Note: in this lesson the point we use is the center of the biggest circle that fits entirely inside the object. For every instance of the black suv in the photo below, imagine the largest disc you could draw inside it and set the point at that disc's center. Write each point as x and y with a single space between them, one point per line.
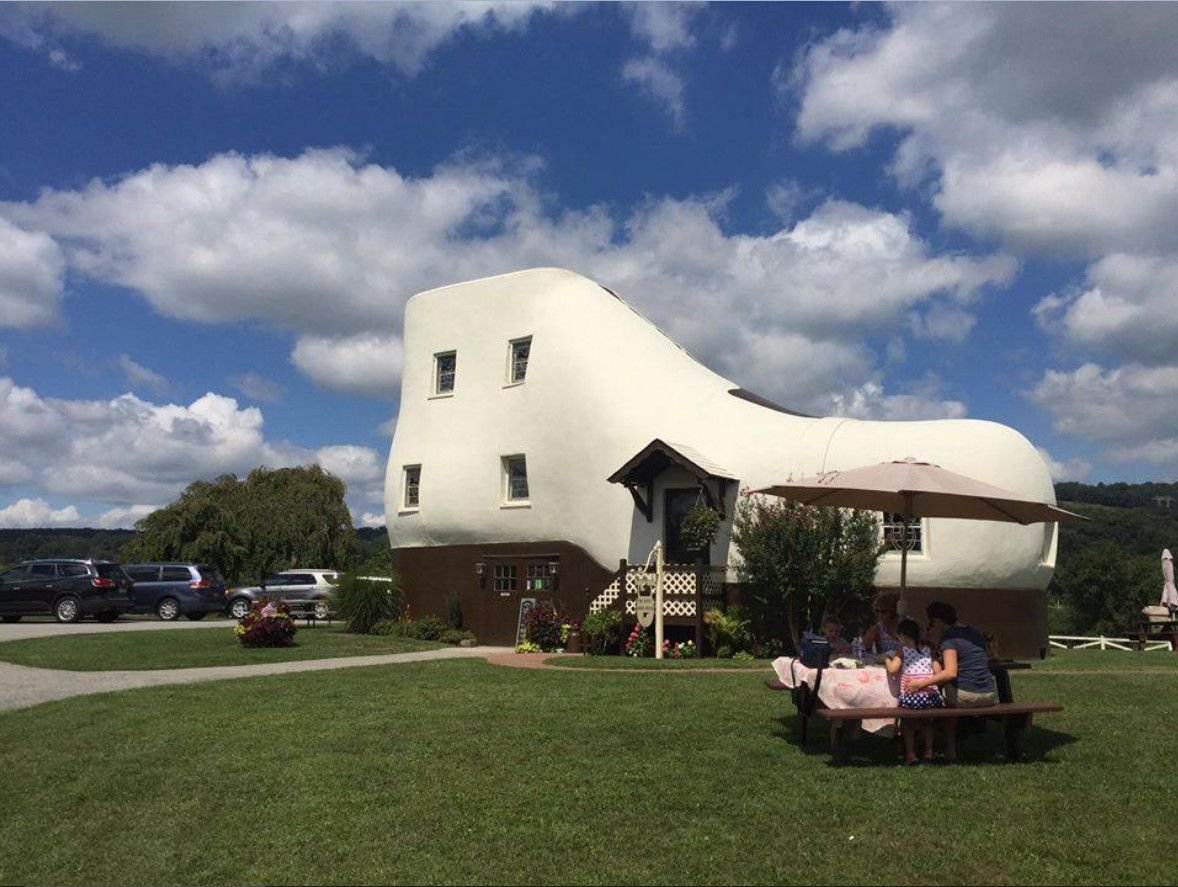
175 589
67 588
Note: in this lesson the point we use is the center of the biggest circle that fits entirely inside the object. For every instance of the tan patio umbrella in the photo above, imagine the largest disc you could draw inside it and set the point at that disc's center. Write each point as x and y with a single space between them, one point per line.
1169 592
915 489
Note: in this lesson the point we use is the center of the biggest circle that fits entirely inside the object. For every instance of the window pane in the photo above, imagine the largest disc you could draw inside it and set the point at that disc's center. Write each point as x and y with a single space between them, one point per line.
14 574
893 532
110 571
519 359
40 571
517 478
72 569
412 485
176 574
445 367
143 574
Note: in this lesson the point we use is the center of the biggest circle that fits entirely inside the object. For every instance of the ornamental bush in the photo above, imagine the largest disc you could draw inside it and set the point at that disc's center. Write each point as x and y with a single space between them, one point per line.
542 626
602 631
362 603
267 624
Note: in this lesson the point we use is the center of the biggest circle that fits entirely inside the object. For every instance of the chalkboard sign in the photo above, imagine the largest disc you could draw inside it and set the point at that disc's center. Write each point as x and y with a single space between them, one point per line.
525 605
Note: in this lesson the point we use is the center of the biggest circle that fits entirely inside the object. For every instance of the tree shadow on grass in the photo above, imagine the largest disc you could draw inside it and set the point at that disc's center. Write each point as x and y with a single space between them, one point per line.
979 743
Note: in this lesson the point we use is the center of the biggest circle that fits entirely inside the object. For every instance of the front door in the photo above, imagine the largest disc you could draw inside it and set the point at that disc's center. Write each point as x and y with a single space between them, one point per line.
676 504
513 586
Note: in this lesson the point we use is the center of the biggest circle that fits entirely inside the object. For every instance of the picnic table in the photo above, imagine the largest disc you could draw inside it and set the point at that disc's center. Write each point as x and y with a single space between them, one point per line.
867 697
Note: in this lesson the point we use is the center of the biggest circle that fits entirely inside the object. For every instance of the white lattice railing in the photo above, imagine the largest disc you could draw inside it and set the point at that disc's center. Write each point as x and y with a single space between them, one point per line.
680 595
1070 642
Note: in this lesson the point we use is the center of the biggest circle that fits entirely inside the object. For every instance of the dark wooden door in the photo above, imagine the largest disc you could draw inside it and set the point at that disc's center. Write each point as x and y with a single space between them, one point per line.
676 504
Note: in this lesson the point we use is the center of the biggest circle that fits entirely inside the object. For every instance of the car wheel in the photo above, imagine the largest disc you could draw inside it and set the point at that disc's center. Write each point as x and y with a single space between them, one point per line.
238 607
11 618
196 617
68 609
107 616
322 610
168 609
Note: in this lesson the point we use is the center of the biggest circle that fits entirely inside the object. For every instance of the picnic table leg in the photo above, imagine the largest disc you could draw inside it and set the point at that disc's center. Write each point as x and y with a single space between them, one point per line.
1013 726
836 735
1002 679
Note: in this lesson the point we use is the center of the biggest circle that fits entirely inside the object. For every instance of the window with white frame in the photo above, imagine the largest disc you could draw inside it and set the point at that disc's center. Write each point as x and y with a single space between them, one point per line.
893 533
412 487
445 367
515 479
517 360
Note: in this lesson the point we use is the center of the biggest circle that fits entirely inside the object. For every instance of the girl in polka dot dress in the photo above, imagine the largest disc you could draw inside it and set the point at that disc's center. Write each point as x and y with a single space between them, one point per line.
914 661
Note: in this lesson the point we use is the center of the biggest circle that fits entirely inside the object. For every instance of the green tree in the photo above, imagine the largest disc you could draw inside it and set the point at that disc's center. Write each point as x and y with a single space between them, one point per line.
274 519
1106 586
799 562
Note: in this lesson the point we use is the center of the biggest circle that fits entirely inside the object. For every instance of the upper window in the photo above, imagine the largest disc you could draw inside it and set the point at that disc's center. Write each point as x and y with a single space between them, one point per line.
72 570
176 574
143 574
41 571
412 486
517 369
445 366
893 533
515 474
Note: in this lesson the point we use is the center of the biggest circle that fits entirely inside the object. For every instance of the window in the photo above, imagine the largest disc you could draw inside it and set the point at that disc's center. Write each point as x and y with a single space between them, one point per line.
143 574
72 570
539 578
517 369
515 475
445 366
412 486
176 574
505 577
893 529
42 571
16 574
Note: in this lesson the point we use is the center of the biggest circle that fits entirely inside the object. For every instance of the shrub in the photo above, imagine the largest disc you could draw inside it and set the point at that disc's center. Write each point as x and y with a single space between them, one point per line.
602 631
727 630
683 650
362 603
267 624
428 628
386 627
456 636
743 656
527 647
542 626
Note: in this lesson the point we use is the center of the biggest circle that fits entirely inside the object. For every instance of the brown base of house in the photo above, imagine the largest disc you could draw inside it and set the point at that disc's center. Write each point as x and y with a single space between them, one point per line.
1016 617
492 582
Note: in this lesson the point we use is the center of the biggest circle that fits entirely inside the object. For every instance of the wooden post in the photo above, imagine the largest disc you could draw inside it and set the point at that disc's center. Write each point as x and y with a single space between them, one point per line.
699 606
658 600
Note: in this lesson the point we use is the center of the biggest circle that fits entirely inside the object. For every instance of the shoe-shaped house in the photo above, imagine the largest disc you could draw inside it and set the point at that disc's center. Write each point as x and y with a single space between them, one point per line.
548 431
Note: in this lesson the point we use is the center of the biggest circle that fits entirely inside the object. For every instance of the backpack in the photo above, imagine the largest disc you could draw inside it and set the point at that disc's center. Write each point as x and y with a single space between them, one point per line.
815 650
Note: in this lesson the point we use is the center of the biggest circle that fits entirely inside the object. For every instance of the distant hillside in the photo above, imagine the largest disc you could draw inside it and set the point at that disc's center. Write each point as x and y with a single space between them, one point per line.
1118 495
19 545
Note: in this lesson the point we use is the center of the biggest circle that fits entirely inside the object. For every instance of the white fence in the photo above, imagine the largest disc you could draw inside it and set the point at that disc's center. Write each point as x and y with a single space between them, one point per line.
1070 642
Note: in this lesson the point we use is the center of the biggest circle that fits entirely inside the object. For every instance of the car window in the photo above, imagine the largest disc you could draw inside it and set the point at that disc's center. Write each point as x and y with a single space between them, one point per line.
73 570
14 575
143 574
277 580
110 571
212 574
40 571
176 574
297 579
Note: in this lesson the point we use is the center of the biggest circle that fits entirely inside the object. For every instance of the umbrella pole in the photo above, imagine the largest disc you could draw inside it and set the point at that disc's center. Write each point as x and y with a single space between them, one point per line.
903 553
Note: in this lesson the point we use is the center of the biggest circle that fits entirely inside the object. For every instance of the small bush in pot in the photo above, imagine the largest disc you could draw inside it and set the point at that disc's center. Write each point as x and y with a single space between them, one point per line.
698 530
267 624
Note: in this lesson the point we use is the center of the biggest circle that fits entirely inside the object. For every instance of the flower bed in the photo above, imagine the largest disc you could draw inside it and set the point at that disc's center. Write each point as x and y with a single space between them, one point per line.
267 624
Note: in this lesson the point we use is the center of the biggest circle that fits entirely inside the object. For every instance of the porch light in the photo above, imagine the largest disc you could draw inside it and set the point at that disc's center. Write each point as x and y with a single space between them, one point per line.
479 568
554 567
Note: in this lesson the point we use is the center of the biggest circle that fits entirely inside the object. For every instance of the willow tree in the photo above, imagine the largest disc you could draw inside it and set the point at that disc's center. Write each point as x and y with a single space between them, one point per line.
274 519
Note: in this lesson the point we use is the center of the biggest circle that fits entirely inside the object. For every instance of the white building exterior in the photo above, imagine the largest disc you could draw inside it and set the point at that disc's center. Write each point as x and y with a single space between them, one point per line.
601 383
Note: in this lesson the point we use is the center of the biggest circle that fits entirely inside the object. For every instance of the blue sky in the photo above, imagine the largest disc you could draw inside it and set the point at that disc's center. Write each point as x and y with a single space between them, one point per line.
211 217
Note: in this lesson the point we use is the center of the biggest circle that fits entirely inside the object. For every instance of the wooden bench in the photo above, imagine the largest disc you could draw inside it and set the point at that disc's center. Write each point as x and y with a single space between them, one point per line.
1014 716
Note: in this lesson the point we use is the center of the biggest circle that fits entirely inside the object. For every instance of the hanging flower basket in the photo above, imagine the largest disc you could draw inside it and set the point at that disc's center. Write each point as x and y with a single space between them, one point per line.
698 530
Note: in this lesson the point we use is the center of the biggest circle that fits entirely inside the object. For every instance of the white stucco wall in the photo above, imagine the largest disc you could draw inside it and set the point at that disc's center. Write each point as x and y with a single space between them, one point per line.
602 382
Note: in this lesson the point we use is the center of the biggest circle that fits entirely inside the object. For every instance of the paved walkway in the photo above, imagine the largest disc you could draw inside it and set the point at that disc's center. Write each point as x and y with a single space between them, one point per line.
23 687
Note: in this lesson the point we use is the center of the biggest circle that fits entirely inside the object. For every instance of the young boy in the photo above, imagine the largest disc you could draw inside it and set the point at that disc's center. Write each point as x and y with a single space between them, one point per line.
832 630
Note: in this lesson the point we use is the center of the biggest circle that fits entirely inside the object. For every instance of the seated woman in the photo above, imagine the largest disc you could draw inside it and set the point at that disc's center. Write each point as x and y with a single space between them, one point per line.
965 675
881 637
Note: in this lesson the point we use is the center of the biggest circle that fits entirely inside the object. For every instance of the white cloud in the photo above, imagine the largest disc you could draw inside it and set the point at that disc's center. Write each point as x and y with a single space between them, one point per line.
331 248
140 376
868 401
387 428
361 468
368 363
32 271
38 513
371 519
1074 469
664 27
124 518
657 79
257 387
1128 406
1053 128
244 40
1128 307
14 472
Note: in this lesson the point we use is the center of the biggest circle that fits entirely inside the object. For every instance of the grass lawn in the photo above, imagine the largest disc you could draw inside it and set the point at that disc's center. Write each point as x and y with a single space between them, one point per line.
648 664
191 649
461 772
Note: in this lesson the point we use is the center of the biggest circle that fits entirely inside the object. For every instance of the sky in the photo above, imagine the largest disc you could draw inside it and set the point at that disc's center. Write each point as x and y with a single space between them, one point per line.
212 215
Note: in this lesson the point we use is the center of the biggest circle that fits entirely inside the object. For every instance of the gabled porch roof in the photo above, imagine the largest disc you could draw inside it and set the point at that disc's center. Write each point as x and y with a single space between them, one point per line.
655 458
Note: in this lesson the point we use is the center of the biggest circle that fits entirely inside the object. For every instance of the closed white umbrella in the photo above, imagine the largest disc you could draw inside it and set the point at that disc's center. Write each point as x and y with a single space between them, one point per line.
915 489
1169 592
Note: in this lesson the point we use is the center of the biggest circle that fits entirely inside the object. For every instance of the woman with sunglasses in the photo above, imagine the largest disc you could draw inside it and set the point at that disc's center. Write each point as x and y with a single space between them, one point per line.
883 636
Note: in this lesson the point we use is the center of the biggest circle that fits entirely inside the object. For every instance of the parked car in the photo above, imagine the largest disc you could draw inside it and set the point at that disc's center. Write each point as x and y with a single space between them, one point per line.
68 588
304 590
173 589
